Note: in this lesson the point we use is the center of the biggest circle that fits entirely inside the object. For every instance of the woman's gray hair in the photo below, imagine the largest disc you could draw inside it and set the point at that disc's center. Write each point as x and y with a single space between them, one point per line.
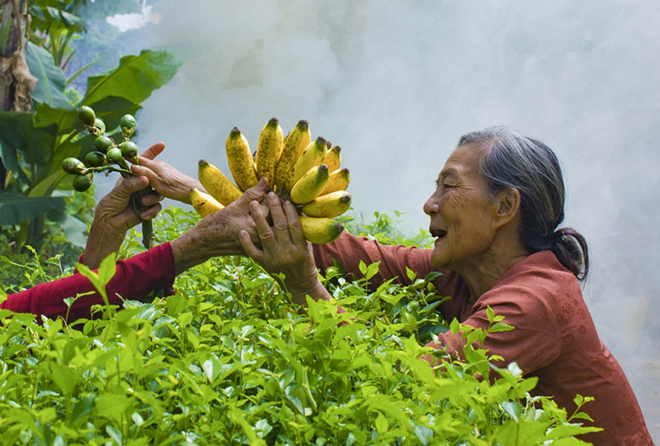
514 160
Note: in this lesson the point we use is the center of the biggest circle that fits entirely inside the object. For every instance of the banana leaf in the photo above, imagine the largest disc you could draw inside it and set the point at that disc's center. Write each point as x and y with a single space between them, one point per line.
16 208
19 136
51 84
134 79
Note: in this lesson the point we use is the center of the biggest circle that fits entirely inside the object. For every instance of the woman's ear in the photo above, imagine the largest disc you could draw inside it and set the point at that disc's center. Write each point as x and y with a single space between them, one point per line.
508 205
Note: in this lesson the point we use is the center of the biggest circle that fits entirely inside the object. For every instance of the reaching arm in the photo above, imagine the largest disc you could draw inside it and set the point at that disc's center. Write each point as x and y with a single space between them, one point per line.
152 271
135 279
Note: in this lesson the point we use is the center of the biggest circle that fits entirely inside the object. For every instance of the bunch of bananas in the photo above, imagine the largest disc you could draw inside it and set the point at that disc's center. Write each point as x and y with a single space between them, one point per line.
306 172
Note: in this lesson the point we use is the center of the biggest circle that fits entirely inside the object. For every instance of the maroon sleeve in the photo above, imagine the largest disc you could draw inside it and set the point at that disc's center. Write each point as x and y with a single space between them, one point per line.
349 250
135 279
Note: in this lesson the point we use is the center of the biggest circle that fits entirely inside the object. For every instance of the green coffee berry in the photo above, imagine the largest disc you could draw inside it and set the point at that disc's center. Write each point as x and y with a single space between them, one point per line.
128 122
86 115
103 144
99 124
114 155
95 159
129 149
83 182
72 165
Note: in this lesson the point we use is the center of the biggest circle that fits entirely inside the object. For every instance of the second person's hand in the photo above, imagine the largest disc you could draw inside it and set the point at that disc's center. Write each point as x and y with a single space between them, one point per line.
167 180
284 249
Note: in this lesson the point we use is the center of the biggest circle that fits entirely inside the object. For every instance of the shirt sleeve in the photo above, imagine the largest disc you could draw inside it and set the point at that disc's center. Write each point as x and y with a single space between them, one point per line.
534 342
136 278
350 250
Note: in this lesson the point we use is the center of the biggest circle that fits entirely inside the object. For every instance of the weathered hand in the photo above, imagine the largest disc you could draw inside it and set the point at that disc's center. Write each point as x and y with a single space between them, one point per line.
114 216
163 177
217 233
284 249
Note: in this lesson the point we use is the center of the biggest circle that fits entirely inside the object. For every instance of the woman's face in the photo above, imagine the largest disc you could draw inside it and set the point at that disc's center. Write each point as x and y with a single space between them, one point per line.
462 212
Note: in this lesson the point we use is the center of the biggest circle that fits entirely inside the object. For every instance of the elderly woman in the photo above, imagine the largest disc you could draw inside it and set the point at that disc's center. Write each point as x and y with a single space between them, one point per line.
494 214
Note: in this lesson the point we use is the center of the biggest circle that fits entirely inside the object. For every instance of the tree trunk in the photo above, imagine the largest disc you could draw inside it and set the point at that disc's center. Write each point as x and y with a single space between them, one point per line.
16 82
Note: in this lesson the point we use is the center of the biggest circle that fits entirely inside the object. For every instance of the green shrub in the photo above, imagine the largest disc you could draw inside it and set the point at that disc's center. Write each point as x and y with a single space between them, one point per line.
228 359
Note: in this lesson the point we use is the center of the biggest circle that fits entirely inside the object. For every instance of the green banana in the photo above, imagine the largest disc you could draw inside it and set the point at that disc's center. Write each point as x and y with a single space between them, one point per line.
330 205
310 185
297 140
240 160
310 157
269 150
321 230
339 180
203 203
217 184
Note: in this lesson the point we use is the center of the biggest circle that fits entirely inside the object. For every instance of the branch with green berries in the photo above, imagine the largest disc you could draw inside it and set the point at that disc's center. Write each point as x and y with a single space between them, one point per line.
109 156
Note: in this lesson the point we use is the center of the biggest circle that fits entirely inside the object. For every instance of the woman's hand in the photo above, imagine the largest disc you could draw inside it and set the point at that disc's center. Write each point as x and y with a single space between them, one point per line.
217 233
284 249
114 216
165 179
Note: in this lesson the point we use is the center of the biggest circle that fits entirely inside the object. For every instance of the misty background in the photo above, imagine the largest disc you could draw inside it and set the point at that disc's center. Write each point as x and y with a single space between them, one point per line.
395 84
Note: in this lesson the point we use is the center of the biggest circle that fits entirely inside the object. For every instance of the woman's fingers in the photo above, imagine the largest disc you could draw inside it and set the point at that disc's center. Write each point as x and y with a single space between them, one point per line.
150 214
263 229
250 249
153 151
152 198
280 222
295 227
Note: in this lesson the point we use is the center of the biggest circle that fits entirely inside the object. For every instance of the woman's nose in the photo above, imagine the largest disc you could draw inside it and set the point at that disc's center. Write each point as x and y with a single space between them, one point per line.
431 206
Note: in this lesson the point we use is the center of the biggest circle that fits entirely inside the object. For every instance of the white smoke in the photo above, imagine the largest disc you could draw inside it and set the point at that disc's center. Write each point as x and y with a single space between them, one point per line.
395 84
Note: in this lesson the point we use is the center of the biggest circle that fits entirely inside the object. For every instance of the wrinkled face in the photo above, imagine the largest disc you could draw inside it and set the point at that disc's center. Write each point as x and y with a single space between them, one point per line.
462 212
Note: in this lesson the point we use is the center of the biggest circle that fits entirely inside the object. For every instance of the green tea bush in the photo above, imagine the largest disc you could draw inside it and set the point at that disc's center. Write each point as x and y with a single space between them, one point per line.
228 359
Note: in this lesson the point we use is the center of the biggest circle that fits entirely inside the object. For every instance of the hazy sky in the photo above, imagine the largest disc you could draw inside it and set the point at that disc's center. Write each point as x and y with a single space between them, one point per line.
395 84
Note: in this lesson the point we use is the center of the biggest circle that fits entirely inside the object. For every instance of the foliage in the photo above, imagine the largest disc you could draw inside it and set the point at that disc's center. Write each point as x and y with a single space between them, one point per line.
65 238
386 229
34 144
228 359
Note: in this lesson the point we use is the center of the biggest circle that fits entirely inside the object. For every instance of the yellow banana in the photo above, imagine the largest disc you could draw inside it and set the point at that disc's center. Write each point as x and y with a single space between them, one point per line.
310 185
203 203
330 205
240 160
339 180
321 230
217 184
269 150
333 159
310 157
297 140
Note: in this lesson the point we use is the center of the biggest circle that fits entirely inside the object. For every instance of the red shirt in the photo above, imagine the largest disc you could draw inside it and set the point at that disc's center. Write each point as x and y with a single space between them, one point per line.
135 279
554 337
